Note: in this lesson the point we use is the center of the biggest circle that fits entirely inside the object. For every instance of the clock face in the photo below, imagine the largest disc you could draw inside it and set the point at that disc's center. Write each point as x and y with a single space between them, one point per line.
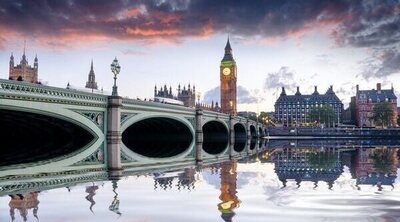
226 71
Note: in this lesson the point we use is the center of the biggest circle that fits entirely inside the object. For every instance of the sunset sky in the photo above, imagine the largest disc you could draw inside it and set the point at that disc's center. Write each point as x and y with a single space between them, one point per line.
275 43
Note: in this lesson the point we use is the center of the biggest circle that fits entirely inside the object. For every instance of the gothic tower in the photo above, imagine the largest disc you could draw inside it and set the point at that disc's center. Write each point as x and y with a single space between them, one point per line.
23 71
91 83
228 76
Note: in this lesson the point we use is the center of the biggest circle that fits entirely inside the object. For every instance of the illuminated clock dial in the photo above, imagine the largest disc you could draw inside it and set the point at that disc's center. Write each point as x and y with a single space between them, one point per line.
226 71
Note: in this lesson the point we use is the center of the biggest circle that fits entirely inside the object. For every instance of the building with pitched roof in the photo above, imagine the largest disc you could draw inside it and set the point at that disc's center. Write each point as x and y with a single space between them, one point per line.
365 100
294 109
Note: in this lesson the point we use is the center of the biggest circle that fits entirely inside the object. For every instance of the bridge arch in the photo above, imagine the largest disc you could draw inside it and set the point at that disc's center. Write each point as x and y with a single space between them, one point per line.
253 131
58 120
253 142
240 137
260 131
215 137
151 137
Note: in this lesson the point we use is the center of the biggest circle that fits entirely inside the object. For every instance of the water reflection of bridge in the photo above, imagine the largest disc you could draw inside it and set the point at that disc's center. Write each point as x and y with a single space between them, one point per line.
368 166
24 191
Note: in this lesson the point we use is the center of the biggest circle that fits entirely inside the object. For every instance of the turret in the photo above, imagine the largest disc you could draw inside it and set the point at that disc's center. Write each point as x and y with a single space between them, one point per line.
36 63
155 90
179 89
11 61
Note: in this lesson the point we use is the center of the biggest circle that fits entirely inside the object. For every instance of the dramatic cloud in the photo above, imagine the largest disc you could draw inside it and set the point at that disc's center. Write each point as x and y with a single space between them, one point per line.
282 78
382 64
243 96
57 22
370 24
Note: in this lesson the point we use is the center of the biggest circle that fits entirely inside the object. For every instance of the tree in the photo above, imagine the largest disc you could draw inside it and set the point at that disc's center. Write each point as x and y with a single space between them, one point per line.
398 121
382 114
323 114
323 160
382 160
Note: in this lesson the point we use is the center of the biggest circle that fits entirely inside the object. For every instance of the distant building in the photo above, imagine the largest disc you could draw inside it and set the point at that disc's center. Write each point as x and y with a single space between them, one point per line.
23 71
91 83
250 115
363 104
346 117
187 96
294 109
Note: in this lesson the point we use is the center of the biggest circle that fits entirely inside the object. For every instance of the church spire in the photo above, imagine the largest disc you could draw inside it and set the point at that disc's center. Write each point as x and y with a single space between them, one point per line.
228 52
24 47
24 61
91 83
228 46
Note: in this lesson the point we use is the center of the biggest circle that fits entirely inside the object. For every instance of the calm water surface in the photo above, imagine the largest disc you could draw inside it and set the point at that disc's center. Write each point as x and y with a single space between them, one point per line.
286 184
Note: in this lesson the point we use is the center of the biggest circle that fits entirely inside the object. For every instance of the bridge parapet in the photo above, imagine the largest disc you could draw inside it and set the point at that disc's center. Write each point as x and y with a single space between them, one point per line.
12 89
138 105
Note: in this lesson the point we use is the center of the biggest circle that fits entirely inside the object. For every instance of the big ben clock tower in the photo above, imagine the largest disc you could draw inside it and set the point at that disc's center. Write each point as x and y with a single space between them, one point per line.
228 77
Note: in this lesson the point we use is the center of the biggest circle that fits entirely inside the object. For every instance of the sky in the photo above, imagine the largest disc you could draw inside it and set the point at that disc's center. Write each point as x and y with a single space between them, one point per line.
275 44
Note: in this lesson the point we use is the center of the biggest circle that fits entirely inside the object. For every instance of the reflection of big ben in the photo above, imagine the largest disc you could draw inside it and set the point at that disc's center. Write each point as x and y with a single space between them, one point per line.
228 78
229 200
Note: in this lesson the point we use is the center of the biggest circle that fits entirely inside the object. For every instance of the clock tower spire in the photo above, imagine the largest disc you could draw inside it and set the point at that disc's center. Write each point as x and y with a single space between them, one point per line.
228 76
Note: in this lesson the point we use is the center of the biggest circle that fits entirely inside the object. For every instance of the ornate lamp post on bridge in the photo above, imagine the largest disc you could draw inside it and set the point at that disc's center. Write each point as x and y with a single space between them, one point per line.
115 68
113 127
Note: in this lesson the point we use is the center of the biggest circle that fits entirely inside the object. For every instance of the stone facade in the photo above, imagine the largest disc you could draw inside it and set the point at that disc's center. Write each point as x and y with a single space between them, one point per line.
23 71
187 96
364 101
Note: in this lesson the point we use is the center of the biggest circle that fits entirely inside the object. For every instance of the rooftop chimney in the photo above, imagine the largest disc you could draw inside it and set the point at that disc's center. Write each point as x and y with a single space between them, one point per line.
298 91
315 91
357 88
283 93
378 86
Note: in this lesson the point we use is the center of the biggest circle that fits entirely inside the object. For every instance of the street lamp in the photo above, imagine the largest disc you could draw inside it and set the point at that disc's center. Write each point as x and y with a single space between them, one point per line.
115 68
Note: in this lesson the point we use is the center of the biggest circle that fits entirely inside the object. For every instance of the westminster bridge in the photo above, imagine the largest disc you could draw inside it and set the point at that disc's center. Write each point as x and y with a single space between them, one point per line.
50 129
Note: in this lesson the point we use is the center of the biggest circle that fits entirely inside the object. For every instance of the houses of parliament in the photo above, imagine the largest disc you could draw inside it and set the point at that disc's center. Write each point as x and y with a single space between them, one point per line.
23 71
228 77
228 89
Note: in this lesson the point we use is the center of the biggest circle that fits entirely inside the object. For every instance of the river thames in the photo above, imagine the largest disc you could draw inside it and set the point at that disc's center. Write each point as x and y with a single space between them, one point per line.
288 183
